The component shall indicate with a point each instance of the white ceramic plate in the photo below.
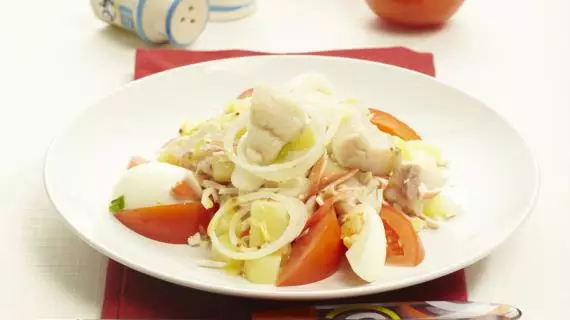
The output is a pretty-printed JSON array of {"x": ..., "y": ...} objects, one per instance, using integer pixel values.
[{"x": 495, "y": 175}]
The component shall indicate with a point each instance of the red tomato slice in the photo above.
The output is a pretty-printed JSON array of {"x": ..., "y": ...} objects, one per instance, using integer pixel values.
[
  {"x": 246, "y": 94},
  {"x": 315, "y": 255},
  {"x": 183, "y": 191},
  {"x": 326, "y": 207},
  {"x": 169, "y": 223},
  {"x": 392, "y": 125},
  {"x": 135, "y": 161},
  {"x": 320, "y": 213},
  {"x": 404, "y": 245}
]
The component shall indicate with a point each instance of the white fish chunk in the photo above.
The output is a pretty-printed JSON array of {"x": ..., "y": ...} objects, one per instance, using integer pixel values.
[
  {"x": 358, "y": 144},
  {"x": 414, "y": 181},
  {"x": 275, "y": 119}
]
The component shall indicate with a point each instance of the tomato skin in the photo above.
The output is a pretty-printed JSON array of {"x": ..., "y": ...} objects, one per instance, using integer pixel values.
[
  {"x": 169, "y": 223},
  {"x": 415, "y": 13},
  {"x": 135, "y": 161},
  {"x": 246, "y": 94},
  {"x": 183, "y": 191},
  {"x": 392, "y": 125},
  {"x": 315, "y": 255},
  {"x": 321, "y": 212},
  {"x": 405, "y": 247}
]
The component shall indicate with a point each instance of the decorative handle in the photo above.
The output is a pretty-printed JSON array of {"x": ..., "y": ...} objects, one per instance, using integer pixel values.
[{"x": 423, "y": 310}]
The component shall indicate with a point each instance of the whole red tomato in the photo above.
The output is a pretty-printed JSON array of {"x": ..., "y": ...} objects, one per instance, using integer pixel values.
[{"x": 415, "y": 12}]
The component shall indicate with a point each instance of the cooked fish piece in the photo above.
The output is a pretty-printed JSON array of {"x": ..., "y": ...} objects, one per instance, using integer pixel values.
[
  {"x": 276, "y": 118},
  {"x": 412, "y": 182},
  {"x": 359, "y": 145}
]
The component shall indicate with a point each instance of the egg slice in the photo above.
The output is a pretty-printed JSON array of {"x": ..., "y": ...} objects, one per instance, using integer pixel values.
[
  {"x": 367, "y": 255},
  {"x": 150, "y": 184}
]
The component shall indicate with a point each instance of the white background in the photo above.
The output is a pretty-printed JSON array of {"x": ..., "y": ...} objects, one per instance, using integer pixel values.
[{"x": 57, "y": 58}]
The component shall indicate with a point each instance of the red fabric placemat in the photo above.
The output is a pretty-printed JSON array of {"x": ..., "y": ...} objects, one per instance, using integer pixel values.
[{"x": 132, "y": 295}]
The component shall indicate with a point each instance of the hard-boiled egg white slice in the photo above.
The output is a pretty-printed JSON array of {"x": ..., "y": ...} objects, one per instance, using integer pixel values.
[
  {"x": 367, "y": 255},
  {"x": 150, "y": 184}
]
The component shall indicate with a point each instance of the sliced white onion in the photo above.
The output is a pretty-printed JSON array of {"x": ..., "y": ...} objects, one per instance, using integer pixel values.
[
  {"x": 194, "y": 184},
  {"x": 245, "y": 180},
  {"x": 212, "y": 184},
  {"x": 280, "y": 171},
  {"x": 297, "y": 219},
  {"x": 228, "y": 191},
  {"x": 195, "y": 240},
  {"x": 232, "y": 131},
  {"x": 236, "y": 219},
  {"x": 212, "y": 264},
  {"x": 333, "y": 125},
  {"x": 328, "y": 109},
  {"x": 209, "y": 196},
  {"x": 320, "y": 200},
  {"x": 310, "y": 204},
  {"x": 294, "y": 187}
]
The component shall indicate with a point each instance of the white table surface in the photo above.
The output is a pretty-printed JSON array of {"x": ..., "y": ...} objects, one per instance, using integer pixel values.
[{"x": 57, "y": 59}]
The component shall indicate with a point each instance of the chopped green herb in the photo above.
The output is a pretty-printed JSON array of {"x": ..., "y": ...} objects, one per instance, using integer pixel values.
[{"x": 117, "y": 204}]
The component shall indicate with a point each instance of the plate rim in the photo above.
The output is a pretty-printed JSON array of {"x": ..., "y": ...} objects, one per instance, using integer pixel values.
[{"x": 299, "y": 294}]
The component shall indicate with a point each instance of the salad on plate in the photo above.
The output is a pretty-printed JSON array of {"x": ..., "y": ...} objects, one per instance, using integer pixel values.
[{"x": 287, "y": 182}]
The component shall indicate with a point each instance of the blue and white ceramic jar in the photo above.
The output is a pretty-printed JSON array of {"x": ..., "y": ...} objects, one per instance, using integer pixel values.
[
  {"x": 225, "y": 10},
  {"x": 178, "y": 22}
]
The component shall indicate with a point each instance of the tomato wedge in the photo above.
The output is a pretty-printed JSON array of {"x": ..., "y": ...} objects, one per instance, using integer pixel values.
[
  {"x": 183, "y": 191},
  {"x": 320, "y": 213},
  {"x": 135, "y": 161},
  {"x": 392, "y": 125},
  {"x": 404, "y": 245},
  {"x": 246, "y": 94},
  {"x": 315, "y": 255},
  {"x": 169, "y": 223}
]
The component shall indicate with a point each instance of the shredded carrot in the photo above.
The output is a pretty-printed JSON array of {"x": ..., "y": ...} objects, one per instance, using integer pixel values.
[
  {"x": 315, "y": 177},
  {"x": 338, "y": 178},
  {"x": 392, "y": 125},
  {"x": 330, "y": 178}
]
